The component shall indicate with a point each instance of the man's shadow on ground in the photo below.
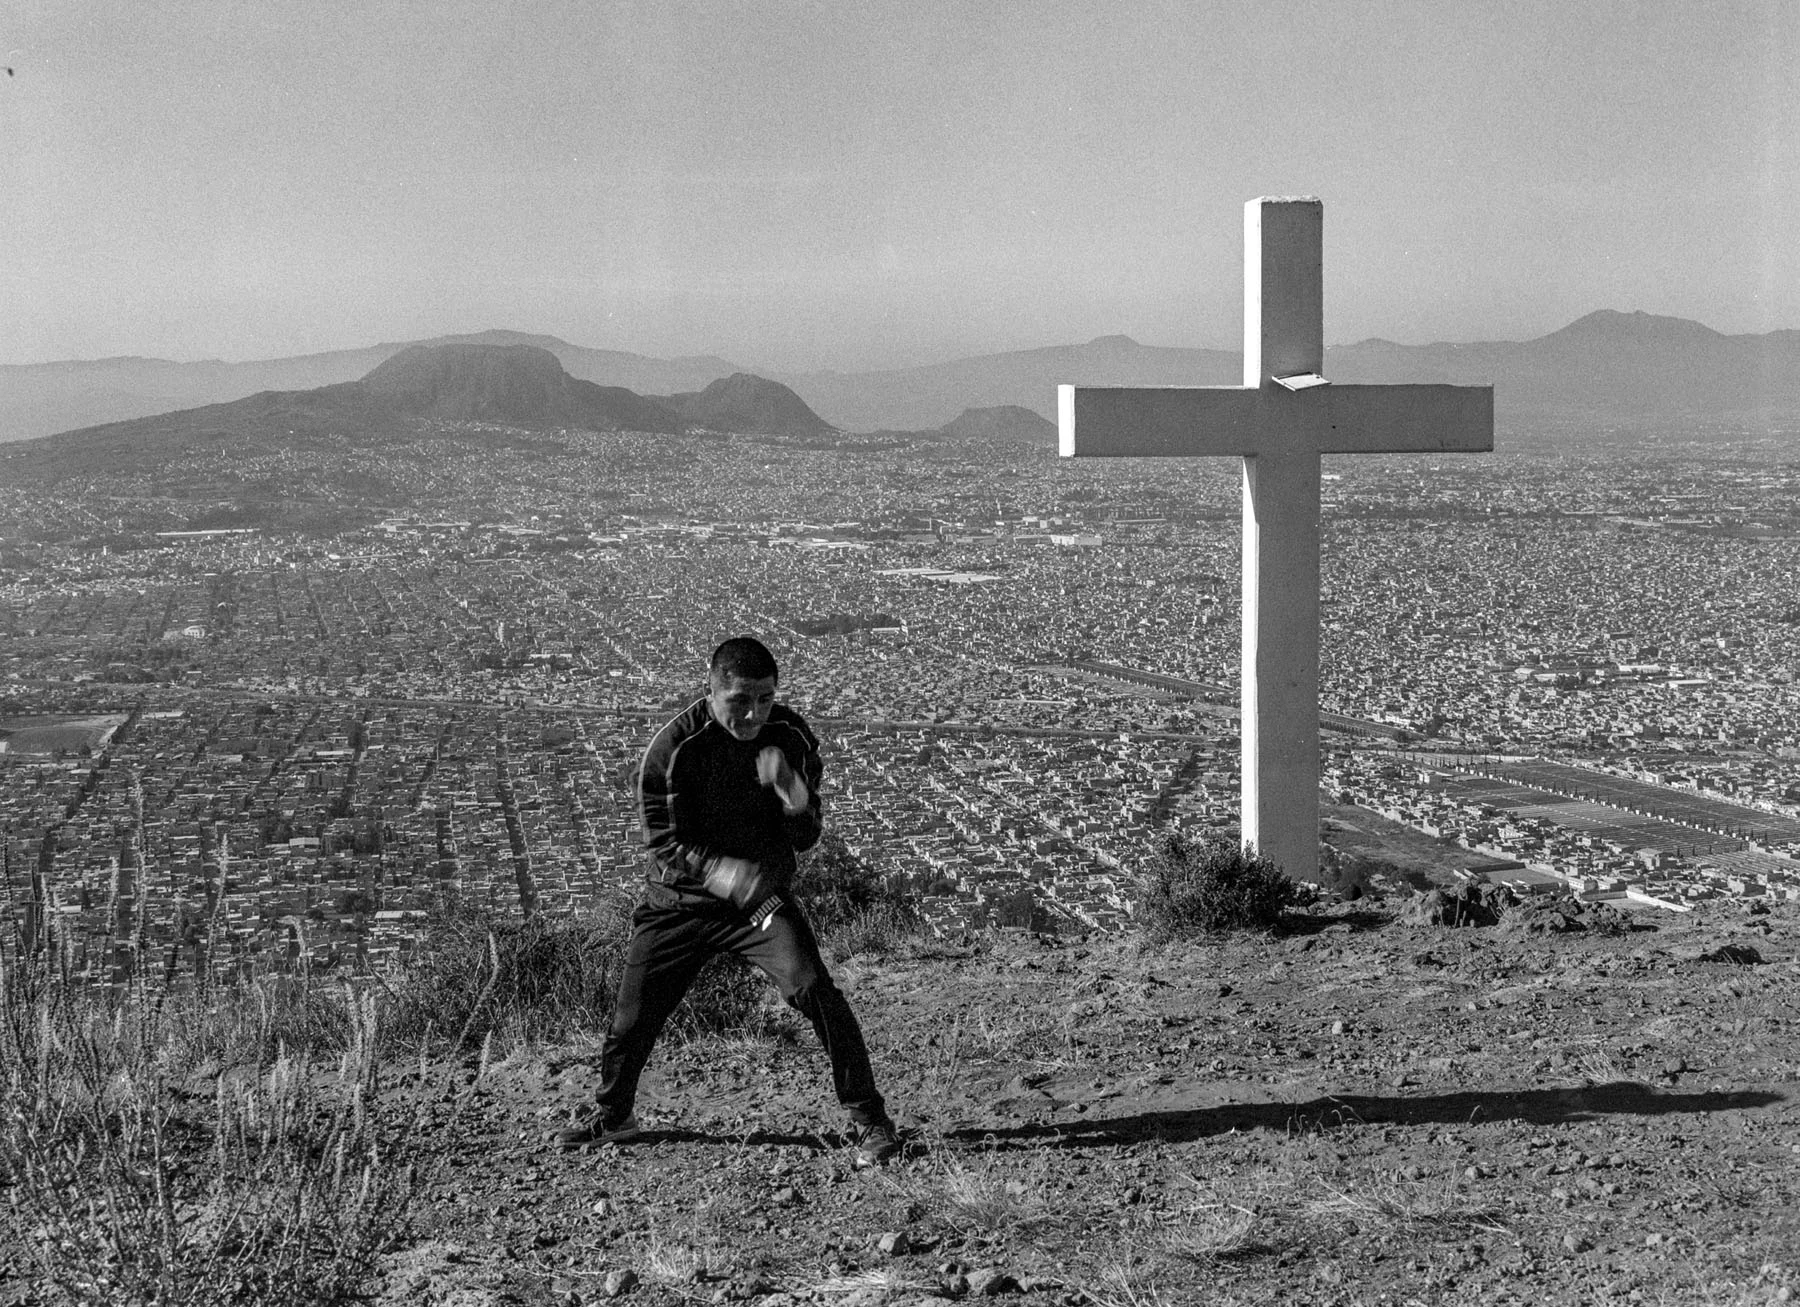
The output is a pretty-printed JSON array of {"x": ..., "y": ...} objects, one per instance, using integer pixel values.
[{"x": 1465, "y": 1107}]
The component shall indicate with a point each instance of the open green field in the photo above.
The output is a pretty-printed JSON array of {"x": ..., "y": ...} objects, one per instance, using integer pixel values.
[
  {"x": 1660, "y": 801},
  {"x": 1420, "y": 858},
  {"x": 53, "y": 734}
]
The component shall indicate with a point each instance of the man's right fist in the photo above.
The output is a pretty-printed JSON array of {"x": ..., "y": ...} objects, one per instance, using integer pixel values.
[
  {"x": 735, "y": 880},
  {"x": 740, "y": 883}
]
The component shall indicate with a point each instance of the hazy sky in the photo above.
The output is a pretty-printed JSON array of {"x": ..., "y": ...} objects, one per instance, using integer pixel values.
[{"x": 845, "y": 184}]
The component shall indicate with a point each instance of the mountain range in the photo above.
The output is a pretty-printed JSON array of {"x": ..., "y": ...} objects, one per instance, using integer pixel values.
[
  {"x": 419, "y": 390},
  {"x": 1607, "y": 367}
]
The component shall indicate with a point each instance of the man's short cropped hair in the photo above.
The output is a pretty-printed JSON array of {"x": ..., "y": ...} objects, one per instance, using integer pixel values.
[{"x": 743, "y": 658}]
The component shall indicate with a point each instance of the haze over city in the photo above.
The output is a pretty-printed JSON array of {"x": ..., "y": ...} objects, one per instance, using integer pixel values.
[{"x": 880, "y": 185}]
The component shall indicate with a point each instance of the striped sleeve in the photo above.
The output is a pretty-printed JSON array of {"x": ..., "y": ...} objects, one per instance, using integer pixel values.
[{"x": 677, "y": 862}]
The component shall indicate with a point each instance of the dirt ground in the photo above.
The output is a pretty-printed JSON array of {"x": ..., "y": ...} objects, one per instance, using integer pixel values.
[{"x": 1363, "y": 1109}]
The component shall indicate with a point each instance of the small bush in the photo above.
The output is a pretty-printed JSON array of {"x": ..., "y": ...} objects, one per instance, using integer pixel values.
[
  {"x": 1186, "y": 891},
  {"x": 480, "y": 973},
  {"x": 852, "y": 907}
]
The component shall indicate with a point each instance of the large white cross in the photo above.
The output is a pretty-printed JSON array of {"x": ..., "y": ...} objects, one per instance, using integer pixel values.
[{"x": 1280, "y": 421}]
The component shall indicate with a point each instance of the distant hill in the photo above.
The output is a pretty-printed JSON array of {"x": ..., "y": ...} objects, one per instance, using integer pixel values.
[
  {"x": 751, "y": 405},
  {"x": 41, "y": 398},
  {"x": 1623, "y": 366},
  {"x": 924, "y": 398},
  {"x": 1007, "y": 422},
  {"x": 1607, "y": 365}
]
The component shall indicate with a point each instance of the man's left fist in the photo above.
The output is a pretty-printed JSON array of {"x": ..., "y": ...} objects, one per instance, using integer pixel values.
[
  {"x": 772, "y": 767},
  {"x": 773, "y": 771}
]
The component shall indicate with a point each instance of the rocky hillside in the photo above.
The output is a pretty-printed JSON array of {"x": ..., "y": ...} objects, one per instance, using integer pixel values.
[{"x": 1567, "y": 1107}]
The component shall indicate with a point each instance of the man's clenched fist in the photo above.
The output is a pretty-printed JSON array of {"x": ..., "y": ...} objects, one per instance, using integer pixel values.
[{"x": 773, "y": 771}]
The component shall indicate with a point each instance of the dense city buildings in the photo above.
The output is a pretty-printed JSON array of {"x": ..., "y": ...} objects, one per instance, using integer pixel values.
[{"x": 267, "y": 705}]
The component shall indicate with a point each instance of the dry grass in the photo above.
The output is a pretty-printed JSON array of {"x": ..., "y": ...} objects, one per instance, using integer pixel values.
[
  {"x": 675, "y": 1262},
  {"x": 1413, "y": 1206},
  {"x": 987, "y": 1191},
  {"x": 482, "y": 973},
  {"x": 1596, "y": 1066},
  {"x": 985, "y": 1197},
  {"x": 852, "y": 906},
  {"x": 1131, "y": 1280},
  {"x": 131, "y": 1179},
  {"x": 887, "y": 1280},
  {"x": 1215, "y": 1231},
  {"x": 685, "y": 1257}
]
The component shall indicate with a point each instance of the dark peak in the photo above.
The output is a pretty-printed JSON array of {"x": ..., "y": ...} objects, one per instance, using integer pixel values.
[
  {"x": 427, "y": 367},
  {"x": 518, "y": 385},
  {"x": 1612, "y": 325},
  {"x": 1112, "y": 342},
  {"x": 744, "y": 383},
  {"x": 751, "y": 405}
]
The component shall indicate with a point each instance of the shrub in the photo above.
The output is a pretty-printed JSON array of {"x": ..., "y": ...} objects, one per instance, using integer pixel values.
[
  {"x": 1185, "y": 891},
  {"x": 853, "y": 908},
  {"x": 481, "y": 975}
]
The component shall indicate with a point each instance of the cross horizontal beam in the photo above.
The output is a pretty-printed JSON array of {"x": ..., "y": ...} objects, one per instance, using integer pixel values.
[{"x": 1190, "y": 421}]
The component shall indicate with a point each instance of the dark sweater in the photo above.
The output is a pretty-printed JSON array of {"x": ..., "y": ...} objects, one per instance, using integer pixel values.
[{"x": 699, "y": 800}]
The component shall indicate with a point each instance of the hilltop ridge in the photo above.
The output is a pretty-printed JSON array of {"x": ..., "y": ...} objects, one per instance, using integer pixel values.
[{"x": 1636, "y": 327}]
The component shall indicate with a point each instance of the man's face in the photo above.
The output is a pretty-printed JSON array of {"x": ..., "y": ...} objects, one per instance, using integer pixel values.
[{"x": 741, "y": 706}]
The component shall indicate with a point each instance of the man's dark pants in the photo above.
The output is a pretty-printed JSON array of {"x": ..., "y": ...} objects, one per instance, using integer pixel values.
[{"x": 670, "y": 943}]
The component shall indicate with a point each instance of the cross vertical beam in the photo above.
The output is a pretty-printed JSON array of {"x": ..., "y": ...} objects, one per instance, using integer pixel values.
[{"x": 1284, "y": 333}]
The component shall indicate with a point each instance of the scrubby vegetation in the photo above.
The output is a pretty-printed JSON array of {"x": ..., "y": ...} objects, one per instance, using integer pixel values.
[
  {"x": 483, "y": 978},
  {"x": 167, "y": 1152},
  {"x": 851, "y": 905},
  {"x": 235, "y": 1145},
  {"x": 1185, "y": 890}
]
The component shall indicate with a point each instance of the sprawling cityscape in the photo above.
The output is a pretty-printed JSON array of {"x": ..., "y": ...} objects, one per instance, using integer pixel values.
[{"x": 266, "y": 704}]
